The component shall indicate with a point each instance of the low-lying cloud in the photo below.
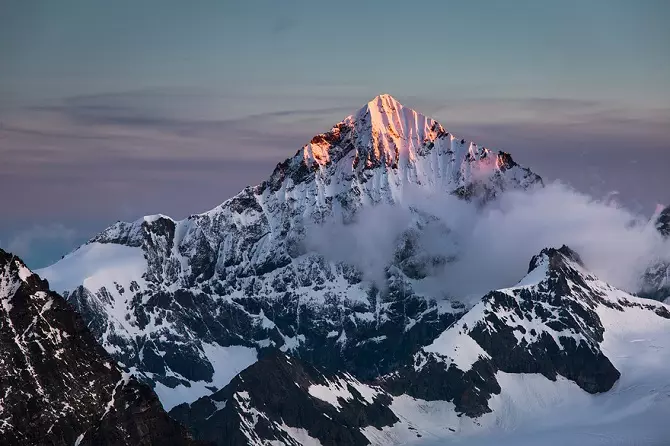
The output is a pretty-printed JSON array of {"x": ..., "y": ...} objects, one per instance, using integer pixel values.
[{"x": 493, "y": 245}]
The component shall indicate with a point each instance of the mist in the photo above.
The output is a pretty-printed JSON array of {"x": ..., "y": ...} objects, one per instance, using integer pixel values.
[{"x": 492, "y": 246}]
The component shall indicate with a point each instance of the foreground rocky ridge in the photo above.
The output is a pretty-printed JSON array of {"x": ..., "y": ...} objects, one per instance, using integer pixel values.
[
  {"x": 285, "y": 400},
  {"x": 165, "y": 297},
  {"x": 554, "y": 324},
  {"x": 59, "y": 386}
]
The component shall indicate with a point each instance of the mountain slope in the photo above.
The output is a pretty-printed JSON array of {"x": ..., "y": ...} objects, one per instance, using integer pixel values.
[
  {"x": 656, "y": 279},
  {"x": 59, "y": 387},
  {"x": 281, "y": 399},
  {"x": 167, "y": 298},
  {"x": 562, "y": 355}
]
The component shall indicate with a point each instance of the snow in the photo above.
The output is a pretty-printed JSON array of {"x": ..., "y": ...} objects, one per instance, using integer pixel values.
[
  {"x": 455, "y": 345},
  {"x": 299, "y": 435},
  {"x": 292, "y": 342},
  {"x": 339, "y": 389},
  {"x": 8, "y": 287},
  {"x": 367, "y": 392},
  {"x": 331, "y": 393},
  {"x": 125, "y": 377},
  {"x": 227, "y": 363},
  {"x": 382, "y": 130},
  {"x": 154, "y": 218},
  {"x": 95, "y": 265},
  {"x": 24, "y": 272},
  {"x": 431, "y": 420},
  {"x": 79, "y": 439},
  {"x": 538, "y": 274},
  {"x": 532, "y": 409}
]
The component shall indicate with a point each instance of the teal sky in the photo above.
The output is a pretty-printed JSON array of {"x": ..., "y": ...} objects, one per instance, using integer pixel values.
[
  {"x": 597, "y": 49},
  {"x": 114, "y": 109}
]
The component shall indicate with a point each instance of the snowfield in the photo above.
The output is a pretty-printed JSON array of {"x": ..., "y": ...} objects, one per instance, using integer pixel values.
[
  {"x": 532, "y": 409},
  {"x": 95, "y": 265},
  {"x": 227, "y": 362}
]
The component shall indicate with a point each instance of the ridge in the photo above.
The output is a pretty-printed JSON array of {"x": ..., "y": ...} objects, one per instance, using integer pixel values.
[{"x": 169, "y": 298}]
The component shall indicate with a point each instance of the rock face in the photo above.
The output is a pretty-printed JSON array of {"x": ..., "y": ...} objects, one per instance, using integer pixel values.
[
  {"x": 663, "y": 222},
  {"x": 547, "y": 324},
  {"x": 59, "y": 386},
  {"x": 284, "y": 400},
  {"x": 553, "y": 323},
  {"x": 165, "y": 297},
  {"x": 656, "y": 279}
]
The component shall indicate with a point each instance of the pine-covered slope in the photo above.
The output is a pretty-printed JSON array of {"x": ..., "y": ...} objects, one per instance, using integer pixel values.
[
  {"x": 560, "y": 352},
  {"x": 169, "y": 298},
  {"x": 58, "y": 386}
]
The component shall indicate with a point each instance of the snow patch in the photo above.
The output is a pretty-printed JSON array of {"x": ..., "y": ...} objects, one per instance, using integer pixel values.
[
  {"x": 299, "y": 435},
  {"x": 227, "y": 363},
  {"x": 455, "y": 345},
  {"x": 95, "y": 265},
  {"x": 339, "y": 389}
]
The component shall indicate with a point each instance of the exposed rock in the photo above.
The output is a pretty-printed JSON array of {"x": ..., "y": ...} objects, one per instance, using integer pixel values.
[
  {"x": 279, "y": 392},
  {"x": 59, "y": 386},
  {"x": 242, "y": 275},
  {"x": 655, "y": 282},
  {"x": 547, "y": 324}
]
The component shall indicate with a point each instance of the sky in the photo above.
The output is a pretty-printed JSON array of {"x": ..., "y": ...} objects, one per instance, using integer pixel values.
[{"x": 114, "y": 110}]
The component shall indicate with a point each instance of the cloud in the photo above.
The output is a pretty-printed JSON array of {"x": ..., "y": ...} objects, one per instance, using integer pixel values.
[
  {"x": 183, "y": 150},
  {"x": 616, "y": 244},
  {"x": 24, "y": 243},
  {"x": 492, "y": 247},
  {"x": 165, "y": 124},
  {"x": 178, "y": 151}
]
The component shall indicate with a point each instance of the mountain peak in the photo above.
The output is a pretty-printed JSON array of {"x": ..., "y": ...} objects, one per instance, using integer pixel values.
[
  {"x": 384, "y": 101},
  {"x": 384, "y": 96},
  {"x": 663, "y": 221},
  {"x": 553, "y": 257},
  {"x": 12, "y": 272},
  {"x": 388, "y": 115},
  {"x": 60, "y": 386}
]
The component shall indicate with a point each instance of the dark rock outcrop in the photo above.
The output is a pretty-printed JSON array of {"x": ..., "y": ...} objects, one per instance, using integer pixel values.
[
  {"x": 272, "y": 397},
  {"x": 59, "y": 386},
  {"x": 655, "y": 282},
  {"x": 548, "y": 324},
  {"x": 663, "y": 222}
]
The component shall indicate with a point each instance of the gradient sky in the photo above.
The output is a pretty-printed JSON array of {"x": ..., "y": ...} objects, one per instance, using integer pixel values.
[{"x": 113, "y": 110}]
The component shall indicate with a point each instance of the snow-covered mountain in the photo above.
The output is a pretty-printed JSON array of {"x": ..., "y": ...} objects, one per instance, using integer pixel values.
[
  {"x": 190, "y": 303},
  {"x": 251, "y": 335},
  {"x": 57, "y": 385},
  {"x": 560, "y": 358}
]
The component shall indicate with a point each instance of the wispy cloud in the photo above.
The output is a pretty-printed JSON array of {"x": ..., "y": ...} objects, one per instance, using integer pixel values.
[
  {"x": 24, "y": 243},
  {"x": 178, "y": 151},
  {"x": 492, "y": 247}
]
